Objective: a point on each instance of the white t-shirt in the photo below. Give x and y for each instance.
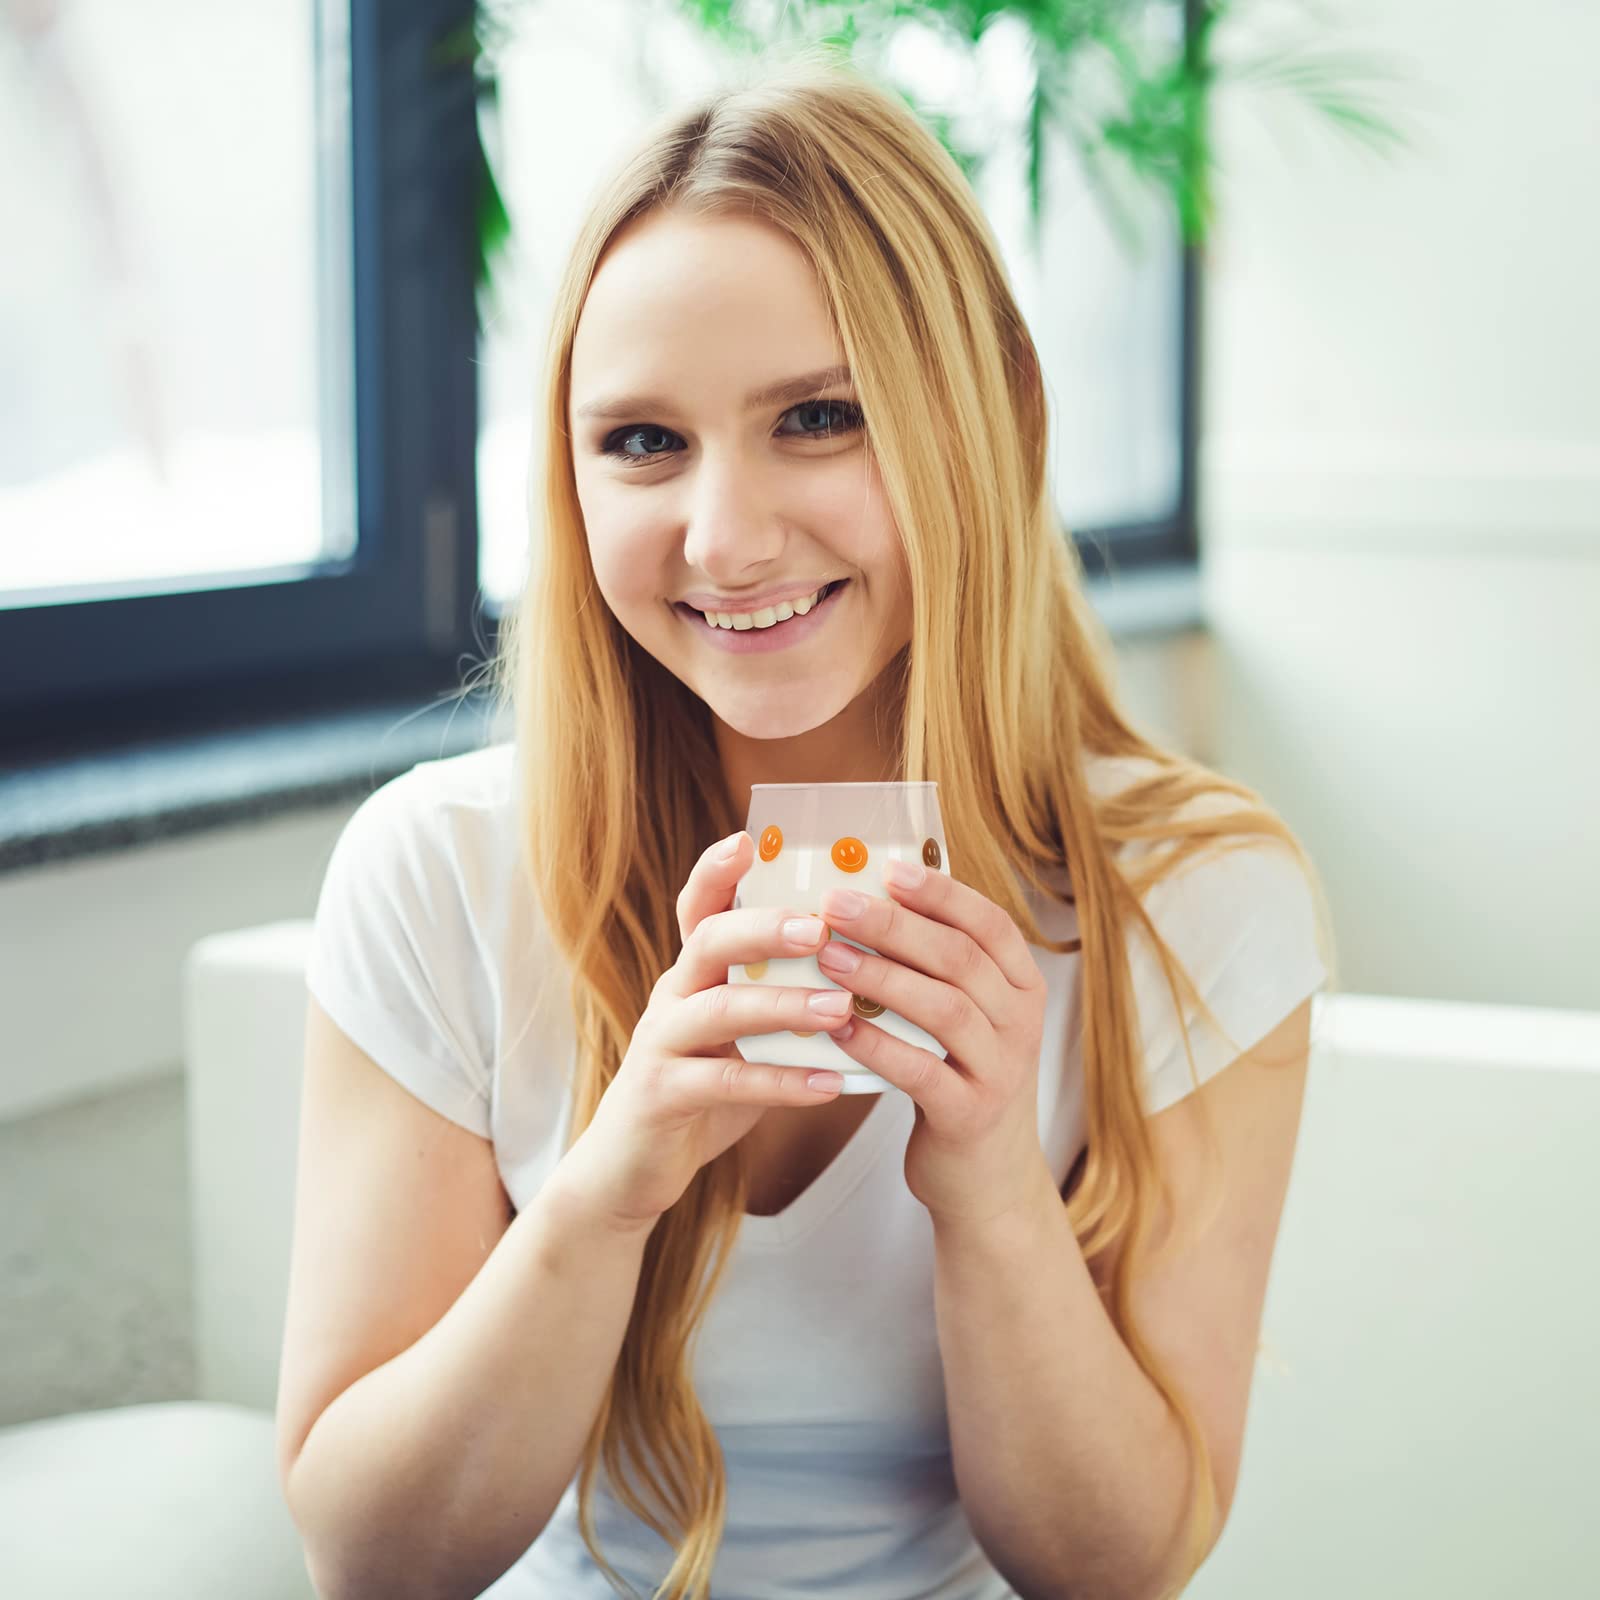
(818, 1362)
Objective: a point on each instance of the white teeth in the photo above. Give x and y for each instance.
(767, 617)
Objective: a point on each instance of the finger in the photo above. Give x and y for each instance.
(714, 1017)
(949, 1014)
(752, 933)
(941, 898)
(694, 1082)
(943, 1093)
(942, 952)
(712, 881)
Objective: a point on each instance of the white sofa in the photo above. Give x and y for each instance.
(1423, 1422)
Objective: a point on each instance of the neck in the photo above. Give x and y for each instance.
(856, 746)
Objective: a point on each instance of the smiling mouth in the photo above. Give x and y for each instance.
(697, 615)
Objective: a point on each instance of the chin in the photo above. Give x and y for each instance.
(782, 716)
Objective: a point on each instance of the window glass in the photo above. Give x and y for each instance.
(175, 354)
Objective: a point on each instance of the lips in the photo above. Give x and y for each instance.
(793, 631)
(694, 613)
(750, 610)
(711, 605)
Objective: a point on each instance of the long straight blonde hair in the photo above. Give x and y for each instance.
(621, 786)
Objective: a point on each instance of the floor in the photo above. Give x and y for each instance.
(95, 1277)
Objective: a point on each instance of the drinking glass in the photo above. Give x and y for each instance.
(815, 836)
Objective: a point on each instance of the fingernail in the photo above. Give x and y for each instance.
(729, 848)
(844, 903)
(840, 957)
(829, 1002)
(903, 874)
(803, 931)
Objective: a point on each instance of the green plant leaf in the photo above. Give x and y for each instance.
(1152, 128)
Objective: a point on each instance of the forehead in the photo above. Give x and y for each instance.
(713, 305)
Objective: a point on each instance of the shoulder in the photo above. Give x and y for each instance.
(1239, 915)
(427, 866)
(410, 932)
(451, 815)
(1258, 862)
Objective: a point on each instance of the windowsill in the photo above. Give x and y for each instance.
(86, 805)
(1149, 604)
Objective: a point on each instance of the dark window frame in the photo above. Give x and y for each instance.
(98, 670)
(1173, 540)
(403, 616)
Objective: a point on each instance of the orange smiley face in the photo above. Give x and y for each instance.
(849, 855)
(771, 843)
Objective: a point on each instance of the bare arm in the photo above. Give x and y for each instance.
(444, 1357)
(434, 1472)
(1070, 1466)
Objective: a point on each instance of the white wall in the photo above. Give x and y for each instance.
(90, 997)
(1401, 463)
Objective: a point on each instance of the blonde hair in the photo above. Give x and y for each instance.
(621, 784)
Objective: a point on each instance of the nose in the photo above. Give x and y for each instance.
(732, 534)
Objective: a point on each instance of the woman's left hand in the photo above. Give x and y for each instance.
(954, 963)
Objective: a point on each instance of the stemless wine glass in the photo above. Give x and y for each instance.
(815, 836)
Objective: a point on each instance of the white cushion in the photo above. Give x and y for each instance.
(147, 1502)
(244, 1036)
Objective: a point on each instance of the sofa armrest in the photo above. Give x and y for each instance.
(244, 1004)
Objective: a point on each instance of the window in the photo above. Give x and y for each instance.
(235, 476)
(241, 464)
(161, 301)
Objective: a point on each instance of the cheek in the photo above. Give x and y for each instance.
(621, 551)
(882, 559)
(855, 521)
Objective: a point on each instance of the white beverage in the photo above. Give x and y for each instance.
(816, 836)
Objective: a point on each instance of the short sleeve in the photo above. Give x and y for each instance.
(1243, 925)
(392, 952)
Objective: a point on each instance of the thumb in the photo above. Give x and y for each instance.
(712, 881)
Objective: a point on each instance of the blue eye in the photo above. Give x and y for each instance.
(848, 418)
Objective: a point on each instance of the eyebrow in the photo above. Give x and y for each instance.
(803, 387)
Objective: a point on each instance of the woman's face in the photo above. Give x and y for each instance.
(709, 495)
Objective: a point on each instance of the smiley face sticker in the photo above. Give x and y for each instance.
(849, 855)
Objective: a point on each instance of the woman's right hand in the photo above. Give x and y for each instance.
(683, 1093)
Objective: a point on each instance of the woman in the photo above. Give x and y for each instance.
(570, 1279)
